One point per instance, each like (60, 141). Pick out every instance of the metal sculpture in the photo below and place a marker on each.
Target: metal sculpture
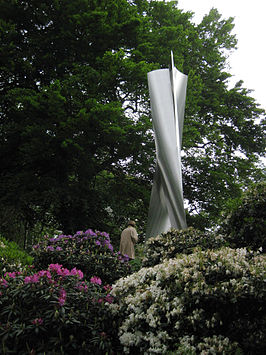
(167, 88)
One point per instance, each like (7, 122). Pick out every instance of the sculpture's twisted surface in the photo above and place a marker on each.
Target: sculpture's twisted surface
(167, 89)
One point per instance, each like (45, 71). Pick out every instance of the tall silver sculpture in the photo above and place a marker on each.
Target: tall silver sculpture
(167, 88)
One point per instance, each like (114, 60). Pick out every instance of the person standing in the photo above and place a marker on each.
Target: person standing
(129, 238)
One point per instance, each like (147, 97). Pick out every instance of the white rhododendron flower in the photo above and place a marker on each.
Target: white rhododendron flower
(172, 306)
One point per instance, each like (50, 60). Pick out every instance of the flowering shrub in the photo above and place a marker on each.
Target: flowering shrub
(208, 302)
(168, 245)
(12, 257)
(54, 311)
(88, 251)
(245, 225)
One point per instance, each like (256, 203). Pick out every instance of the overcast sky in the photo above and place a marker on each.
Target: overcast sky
(248, 62)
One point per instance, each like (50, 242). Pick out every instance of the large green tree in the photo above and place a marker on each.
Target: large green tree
(76, 140)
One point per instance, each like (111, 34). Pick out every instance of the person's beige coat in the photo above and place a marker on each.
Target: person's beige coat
(129, 238)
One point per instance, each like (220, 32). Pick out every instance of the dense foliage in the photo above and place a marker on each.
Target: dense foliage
(54, 311)
(75, 121)
(208, 302)
(168, 245)
(12, 257)
(245, 224)
(89, 251)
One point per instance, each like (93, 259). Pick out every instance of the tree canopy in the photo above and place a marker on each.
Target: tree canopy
(77, 146)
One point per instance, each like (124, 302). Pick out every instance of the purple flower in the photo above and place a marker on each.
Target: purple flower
(97, 242)
(96, 280)
(126, 257)
(58, 248)
(104, 234)
(50, 248)
(110, 247)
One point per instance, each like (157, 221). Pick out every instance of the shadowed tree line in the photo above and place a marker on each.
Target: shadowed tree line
(77, 148)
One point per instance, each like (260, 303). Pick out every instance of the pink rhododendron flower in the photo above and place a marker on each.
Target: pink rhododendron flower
(35, 278)
(75, 272)
(63, 272)
(54, 267)
(42, 273)
(37, 321)
(12, 275)
(109, 298)
(80, 274)
(107, 287)
(82, 286)
(96, 280)
(3, 282)
(31, 279)
(48, 275)
(27, 279)
(62, 297)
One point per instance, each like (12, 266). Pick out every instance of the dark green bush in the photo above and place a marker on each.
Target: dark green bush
(245, 225)
(88, 251)
(12, 257)
(54, 312)
(168, 245)
(208, 302)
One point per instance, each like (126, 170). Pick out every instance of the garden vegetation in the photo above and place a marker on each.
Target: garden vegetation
(193, 294)
(77, 154)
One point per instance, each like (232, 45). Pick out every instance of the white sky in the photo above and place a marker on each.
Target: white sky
(248, 60)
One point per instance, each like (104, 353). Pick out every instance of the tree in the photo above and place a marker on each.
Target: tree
(223, 128)
(75, 118)
(62, 123)
(244, 221)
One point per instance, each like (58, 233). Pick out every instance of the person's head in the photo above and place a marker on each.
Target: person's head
(132, 224)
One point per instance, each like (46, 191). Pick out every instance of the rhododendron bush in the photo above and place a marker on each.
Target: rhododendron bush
(167, 245)
(208, 302)
(89, 251)
(245, 223)
(54, 311)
